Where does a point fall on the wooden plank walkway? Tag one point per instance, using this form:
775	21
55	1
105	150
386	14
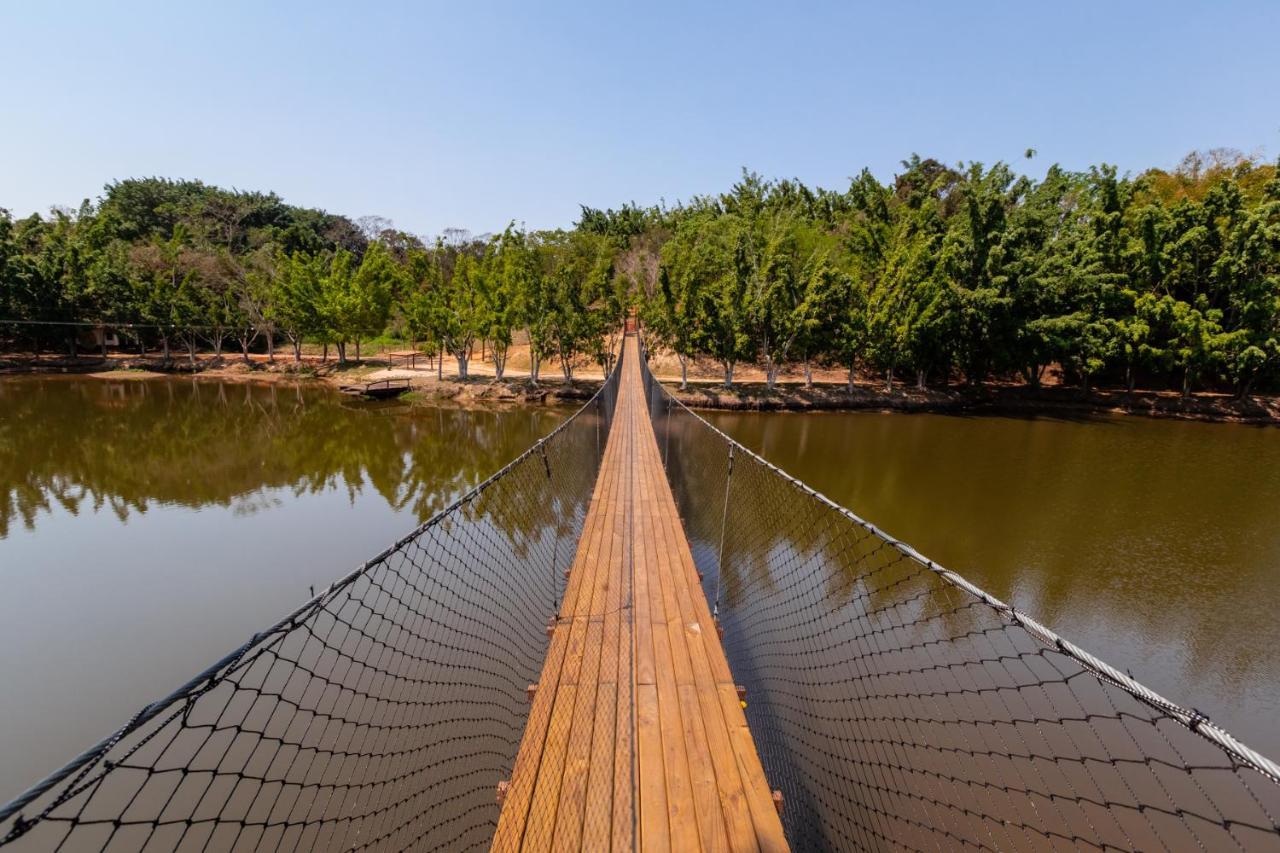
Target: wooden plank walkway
636	739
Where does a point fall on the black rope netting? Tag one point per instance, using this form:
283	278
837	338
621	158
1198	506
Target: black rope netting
382	713
897	706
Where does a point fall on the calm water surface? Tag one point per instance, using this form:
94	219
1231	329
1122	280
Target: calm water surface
1154	544
148	527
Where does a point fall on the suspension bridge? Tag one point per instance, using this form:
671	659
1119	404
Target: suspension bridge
640	635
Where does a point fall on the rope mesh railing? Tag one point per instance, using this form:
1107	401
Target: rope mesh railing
897	706
381	714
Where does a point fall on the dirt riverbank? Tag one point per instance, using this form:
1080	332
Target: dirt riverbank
427	385
828	393
1052	401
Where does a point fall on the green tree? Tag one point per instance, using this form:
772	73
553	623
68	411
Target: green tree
709	259
581	271
670	317
1198	342
336	308
298	297
373	287
511	275
1250	267
463	310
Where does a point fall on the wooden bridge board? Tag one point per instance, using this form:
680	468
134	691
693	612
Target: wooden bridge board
636	739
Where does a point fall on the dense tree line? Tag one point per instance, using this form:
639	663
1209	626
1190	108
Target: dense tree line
181	263
942	274
965	273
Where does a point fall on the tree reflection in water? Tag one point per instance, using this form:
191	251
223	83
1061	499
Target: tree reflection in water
125	446
149	525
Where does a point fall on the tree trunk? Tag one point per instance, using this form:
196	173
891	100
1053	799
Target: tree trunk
1246	387
342	352
534	365
566	367
920	375
440	366
728	374
1186	383
271	348
165	341
888	380
191	353
499	362
1129	378
462	356
808	373
297	350
684	372
324	354
770	373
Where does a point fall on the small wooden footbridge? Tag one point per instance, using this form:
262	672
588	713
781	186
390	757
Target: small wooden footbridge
378	389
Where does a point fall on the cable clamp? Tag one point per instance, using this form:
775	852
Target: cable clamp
1198	718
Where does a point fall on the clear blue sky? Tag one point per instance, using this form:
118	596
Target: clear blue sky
469	114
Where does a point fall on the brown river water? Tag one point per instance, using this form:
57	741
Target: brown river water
147	527
1154	544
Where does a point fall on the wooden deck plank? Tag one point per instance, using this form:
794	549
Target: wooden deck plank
685	637
577	764
546	792
706	794
584	739
655	834
510	831
597	818
636	739
680	815
727	778
625	765
626	768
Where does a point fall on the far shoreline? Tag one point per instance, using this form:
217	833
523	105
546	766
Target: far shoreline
1016	400
479	389
482	388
